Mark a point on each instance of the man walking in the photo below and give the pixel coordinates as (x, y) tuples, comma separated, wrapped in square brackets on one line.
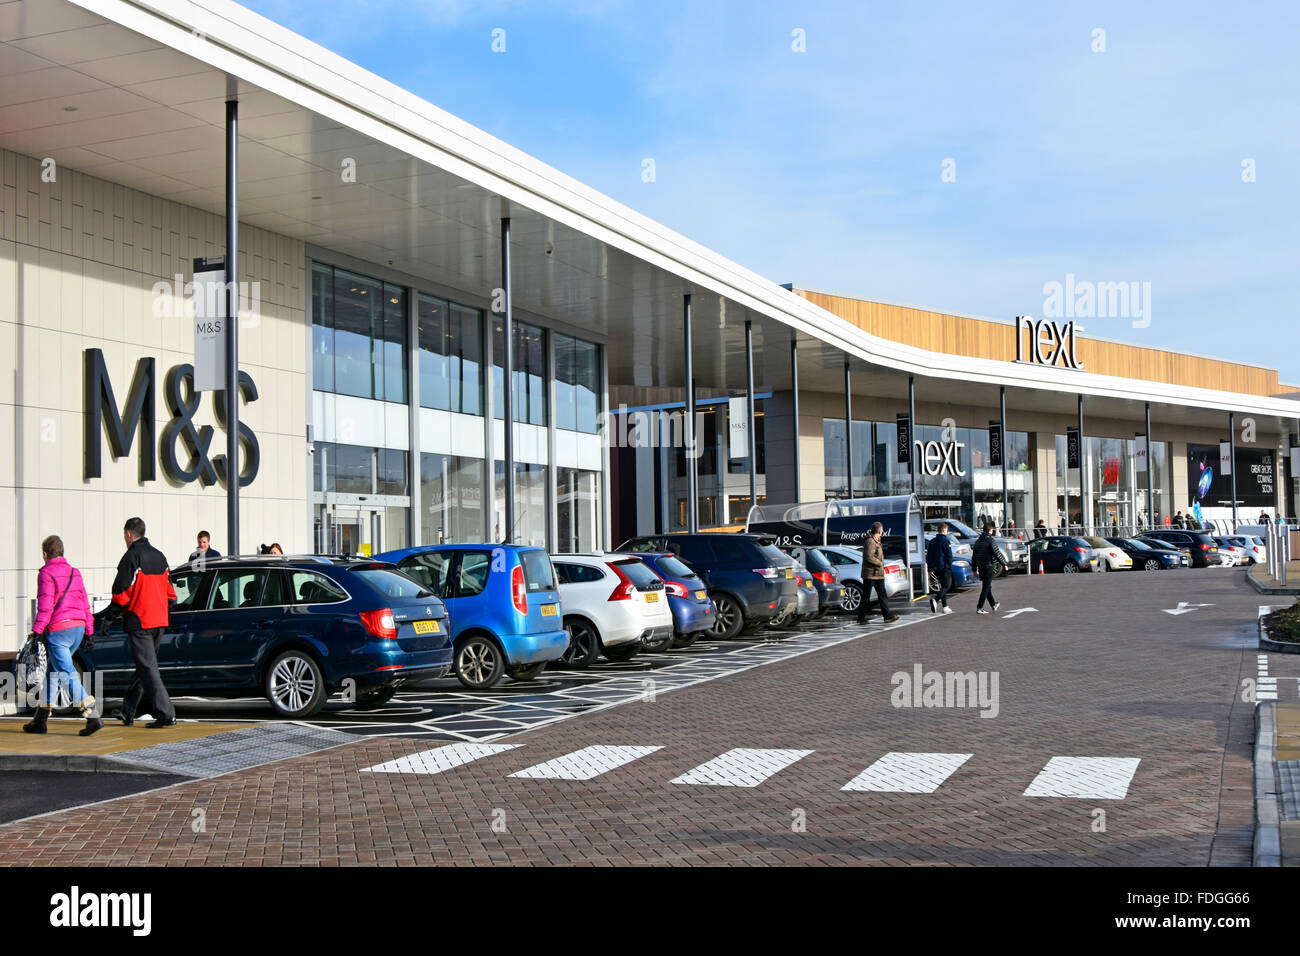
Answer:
[(938, 555), (873, 576), (983, 554), (145, 593)]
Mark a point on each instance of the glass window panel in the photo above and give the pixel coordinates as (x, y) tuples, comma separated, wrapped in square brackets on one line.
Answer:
[(352, 470), (436, 375), (357, 304), (586, 382), (451, 491), (392, 472), (394, 345), (466, 360), (565, 397), (322, 327)]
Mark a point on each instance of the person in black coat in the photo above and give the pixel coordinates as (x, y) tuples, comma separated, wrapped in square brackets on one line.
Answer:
[(983, 555), (938, 556)]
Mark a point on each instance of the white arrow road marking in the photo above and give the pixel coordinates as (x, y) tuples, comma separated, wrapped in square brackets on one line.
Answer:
[(1184, 608), (1021, 610)]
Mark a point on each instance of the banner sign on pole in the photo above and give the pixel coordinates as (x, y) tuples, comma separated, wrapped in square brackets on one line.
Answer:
[(738, 427), (1140, 453), (1225, 458), (995, 444), (1295, 462), (904, 439), (1072, 448), (209, 325)]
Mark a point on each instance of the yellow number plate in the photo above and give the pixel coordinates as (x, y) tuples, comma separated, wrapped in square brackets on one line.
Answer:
[(427, 627), (652, 598), (548, 610), (789, 572), (700, 595)]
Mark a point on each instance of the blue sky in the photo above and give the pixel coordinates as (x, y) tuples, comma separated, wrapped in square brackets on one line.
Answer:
[(823, 167)]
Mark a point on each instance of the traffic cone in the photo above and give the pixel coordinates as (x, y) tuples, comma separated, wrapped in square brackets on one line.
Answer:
[(1041, 567)]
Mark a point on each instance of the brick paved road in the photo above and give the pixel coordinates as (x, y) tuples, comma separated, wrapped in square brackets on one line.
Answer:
[(1098, 671)]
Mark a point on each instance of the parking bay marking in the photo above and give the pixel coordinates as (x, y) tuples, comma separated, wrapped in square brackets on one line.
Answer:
[(1091, 778), (742, 767), (907, 773), (586, 763)]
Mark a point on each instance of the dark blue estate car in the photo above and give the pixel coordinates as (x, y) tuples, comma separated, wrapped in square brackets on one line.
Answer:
[(292, 629)]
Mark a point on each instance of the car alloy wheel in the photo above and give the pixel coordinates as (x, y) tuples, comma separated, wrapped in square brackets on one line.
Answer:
[(295, 685), (584, 645), (1152, 564), (729, 620), (999, 568), (852, 598), (478, 663), (1070, 568)]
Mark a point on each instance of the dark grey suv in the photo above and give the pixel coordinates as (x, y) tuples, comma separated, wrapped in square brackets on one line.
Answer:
[(750, 580)]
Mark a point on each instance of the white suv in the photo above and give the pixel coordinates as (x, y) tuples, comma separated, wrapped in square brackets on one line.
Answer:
[(612, 603)]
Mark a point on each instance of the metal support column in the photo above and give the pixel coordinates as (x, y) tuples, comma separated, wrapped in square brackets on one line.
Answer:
[(1002, 427), (692, 459), (232, 326), (848, 429), (1232, 468), (794, 402), (911, 419), (749, 413), (1083, 477), (507, 376), (1151, 485)]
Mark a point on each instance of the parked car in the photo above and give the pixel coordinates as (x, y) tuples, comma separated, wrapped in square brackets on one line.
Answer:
[(1064, 553), (1110, 556), (808, 599), (613, 605), (1156, 544), (825, 577), (1202, 548), (503, 604), (292, 629), (1145, 557), (746, 575), (848, 561), (1256, 549), (1012, 554), (1234, 547), (688, 598)]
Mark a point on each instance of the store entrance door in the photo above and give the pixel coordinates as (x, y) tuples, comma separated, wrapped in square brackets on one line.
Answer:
[(349, 529)]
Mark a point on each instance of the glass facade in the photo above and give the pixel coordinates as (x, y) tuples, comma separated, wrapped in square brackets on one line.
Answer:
[(451, 499), (578, 509), (358, 335), (722, 481), (577, 384), (530, 503), (451, 355), (528, 391)]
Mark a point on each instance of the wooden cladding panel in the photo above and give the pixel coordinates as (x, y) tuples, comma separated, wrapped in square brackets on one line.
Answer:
[(981, 338)]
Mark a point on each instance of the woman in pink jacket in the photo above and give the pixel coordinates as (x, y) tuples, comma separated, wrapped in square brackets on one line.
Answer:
[(63, 616)]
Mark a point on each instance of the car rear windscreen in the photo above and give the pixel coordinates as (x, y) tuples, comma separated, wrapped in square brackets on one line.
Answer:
[(639, 574), (538, 573), (777, 557), (674, 568), (392, 583)]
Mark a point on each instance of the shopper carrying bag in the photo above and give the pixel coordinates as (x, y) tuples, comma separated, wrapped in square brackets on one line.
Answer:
[(63, 618)]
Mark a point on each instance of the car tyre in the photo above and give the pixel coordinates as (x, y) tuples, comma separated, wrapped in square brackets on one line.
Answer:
[(729, 619), (1070, 567), (622, 652), (659, 645), (374, 697), (852, 598), (1152, 564), (295, 685), (479, 663), (584, 645), (999, 568), (684, 640), (523, 672)]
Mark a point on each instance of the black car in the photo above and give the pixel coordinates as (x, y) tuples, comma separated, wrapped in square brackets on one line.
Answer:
[(292, 629), (1202, 548), (750, 580), (830, 595), (1183, 554), (1145, 557), (1063, 553)]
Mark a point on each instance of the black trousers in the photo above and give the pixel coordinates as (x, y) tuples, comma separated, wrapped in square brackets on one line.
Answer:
[(878, 586), (945, 585), (986, 591), (147, 692)]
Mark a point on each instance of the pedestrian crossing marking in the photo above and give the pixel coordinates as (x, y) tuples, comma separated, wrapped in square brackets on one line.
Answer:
[(440, 758), (1093, 778), (586, 763), (742, 767), (907, 773)]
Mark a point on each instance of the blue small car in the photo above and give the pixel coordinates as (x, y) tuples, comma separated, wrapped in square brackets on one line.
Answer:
[(503, 604), (692, 608)]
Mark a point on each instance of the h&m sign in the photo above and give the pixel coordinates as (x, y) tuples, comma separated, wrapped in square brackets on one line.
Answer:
[(138, 416), (1049, 343)]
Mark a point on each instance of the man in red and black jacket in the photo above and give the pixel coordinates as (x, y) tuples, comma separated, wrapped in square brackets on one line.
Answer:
[(144, 591)]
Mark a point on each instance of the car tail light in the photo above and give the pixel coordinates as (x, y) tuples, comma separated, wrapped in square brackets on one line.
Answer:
[(380, 623), (517, 592), (893, 568), (769, 573), (625, 588), (1081, 550), (1205, 547), (675, 589), (824, 577)]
